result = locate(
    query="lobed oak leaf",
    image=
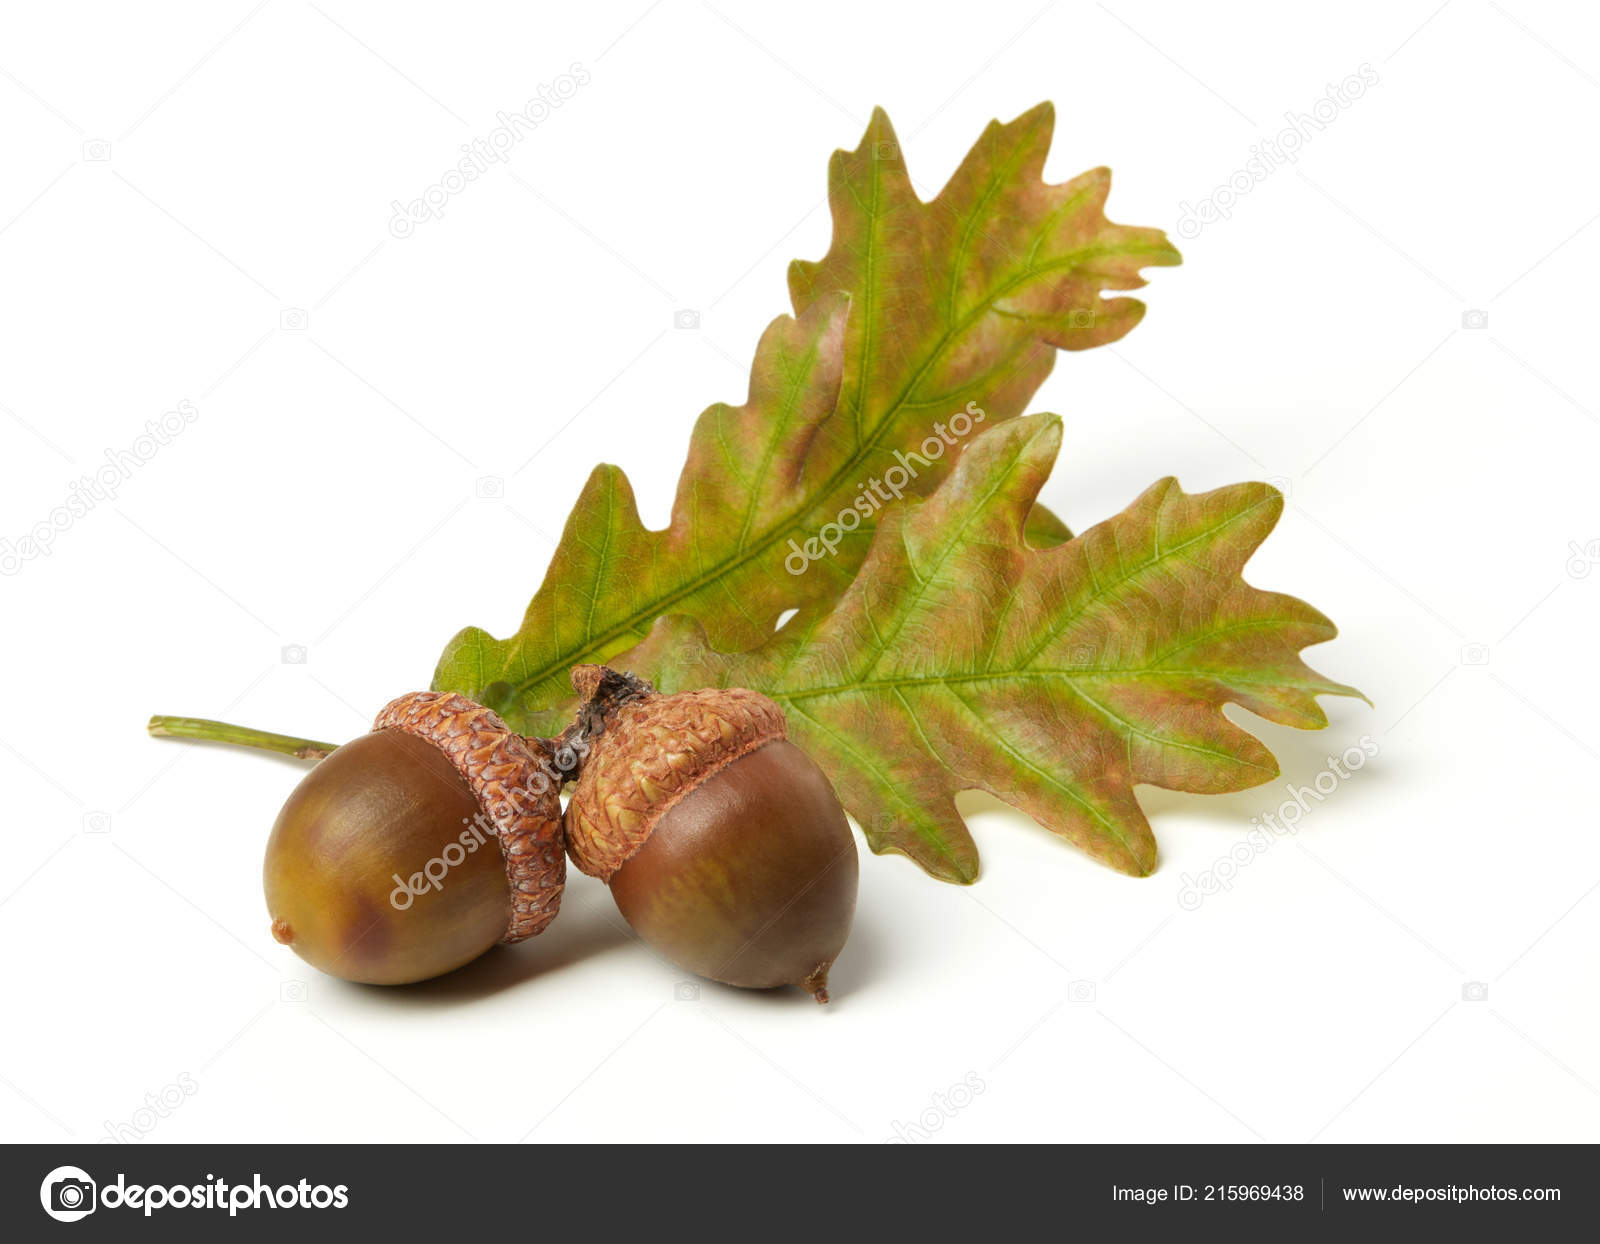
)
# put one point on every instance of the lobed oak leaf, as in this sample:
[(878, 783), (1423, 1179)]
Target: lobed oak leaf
[(918, 309), (1056, 679)]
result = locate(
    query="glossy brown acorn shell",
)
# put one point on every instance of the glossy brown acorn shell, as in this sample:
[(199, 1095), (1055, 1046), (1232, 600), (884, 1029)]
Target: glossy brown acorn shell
[(384, 804), (749, 878)]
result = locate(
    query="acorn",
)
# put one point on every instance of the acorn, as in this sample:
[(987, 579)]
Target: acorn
[(724, 845), (412, 850)]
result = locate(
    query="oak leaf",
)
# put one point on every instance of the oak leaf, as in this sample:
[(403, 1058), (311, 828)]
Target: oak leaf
[(918, 310), (1056, 679)]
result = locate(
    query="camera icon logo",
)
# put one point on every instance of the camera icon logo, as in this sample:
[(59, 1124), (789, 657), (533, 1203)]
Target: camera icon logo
[(491, 488), (97, 822), (686, 319), (686, 991), (1283, 484), (1475, 654), (885, 151), (68, 1194), (293, 991), (1474, 319), (1582, 560), (1475, 991), (1081, 993), (1080, 318), (294, 654), (293, 320), (97, 149)]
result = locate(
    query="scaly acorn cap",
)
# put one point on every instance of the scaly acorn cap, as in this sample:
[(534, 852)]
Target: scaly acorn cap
[(657, 749), (512, 780)]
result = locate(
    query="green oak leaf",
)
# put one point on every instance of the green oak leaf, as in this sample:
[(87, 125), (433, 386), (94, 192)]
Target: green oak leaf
[(918, 309), (1056, 679)]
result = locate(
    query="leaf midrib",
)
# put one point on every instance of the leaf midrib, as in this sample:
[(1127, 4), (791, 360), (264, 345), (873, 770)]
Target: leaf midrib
[(1069, 676)]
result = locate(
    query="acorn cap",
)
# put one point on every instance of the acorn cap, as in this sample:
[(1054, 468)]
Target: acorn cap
[(658, 749), (512, 782)]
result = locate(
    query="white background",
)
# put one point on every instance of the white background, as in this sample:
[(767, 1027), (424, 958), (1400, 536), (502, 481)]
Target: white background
[(328, 496)]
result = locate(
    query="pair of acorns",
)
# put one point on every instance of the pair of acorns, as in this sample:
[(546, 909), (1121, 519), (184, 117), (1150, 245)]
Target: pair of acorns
[(415, 848)]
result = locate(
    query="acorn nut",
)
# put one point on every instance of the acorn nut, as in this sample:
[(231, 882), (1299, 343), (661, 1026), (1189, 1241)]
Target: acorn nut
[(413, 849), (724, 845)]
